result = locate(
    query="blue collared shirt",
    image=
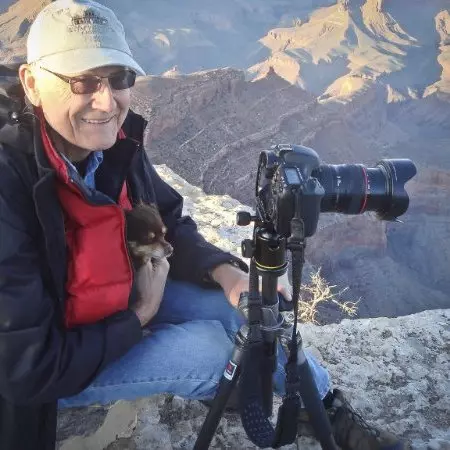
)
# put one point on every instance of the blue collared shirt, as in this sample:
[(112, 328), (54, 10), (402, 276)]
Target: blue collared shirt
[(94, 161)]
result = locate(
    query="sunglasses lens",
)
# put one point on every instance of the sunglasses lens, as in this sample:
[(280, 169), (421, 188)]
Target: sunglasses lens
[(85, 85), (88, 85), (122, 80)]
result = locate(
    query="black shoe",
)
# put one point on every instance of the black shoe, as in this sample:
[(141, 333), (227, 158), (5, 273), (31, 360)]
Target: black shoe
[(350, 430)]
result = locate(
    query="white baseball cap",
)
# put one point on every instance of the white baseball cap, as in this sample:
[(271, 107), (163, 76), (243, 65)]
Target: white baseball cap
[(72, 36)]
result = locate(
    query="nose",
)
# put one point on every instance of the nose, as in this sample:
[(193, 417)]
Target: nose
[(168, 250), (104, 98)]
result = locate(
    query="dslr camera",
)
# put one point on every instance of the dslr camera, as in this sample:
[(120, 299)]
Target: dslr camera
[(295, 170)]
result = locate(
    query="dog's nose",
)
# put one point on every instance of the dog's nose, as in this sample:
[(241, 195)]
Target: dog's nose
[(168, 250)]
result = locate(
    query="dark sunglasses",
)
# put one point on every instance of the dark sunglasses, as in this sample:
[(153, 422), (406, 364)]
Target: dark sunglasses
[(88, 84)]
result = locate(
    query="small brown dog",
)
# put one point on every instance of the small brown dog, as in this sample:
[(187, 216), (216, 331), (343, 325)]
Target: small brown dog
[(145, 232)]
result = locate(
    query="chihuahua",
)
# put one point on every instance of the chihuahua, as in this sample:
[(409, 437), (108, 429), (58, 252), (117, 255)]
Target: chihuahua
[(145, 233)]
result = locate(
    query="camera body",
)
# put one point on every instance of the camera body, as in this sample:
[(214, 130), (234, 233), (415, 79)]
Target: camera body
[(295, 178), (288, 175)]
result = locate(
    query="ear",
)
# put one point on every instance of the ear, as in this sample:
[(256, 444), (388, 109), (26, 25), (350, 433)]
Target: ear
[(28, 78)]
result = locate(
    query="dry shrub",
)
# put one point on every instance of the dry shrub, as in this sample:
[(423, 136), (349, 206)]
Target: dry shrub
[(318, 292)]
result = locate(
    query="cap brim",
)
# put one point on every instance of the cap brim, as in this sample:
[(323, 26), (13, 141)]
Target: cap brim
[(73, 62)]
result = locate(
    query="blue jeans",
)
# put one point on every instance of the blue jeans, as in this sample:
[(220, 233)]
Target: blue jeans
[(191, 340)]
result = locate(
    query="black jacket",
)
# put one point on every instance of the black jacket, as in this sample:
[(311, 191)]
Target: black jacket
[(41, 361)]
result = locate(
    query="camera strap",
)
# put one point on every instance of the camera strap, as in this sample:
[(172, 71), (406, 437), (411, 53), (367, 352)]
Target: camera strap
[(296, 243), (287, 424)]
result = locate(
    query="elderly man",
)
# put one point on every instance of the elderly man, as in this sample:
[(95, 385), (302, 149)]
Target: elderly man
[(77, 325)]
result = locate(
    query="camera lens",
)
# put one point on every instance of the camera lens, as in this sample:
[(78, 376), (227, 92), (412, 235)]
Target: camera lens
[(355, 189)]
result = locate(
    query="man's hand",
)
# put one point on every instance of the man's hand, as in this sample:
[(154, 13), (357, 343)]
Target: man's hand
[(150, 283), (234, 281)]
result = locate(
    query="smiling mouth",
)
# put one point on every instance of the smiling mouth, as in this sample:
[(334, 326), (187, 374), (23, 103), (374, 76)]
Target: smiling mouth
[(97, 122)]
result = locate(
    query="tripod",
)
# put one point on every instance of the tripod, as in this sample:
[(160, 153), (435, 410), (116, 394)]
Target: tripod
[(254, 356)]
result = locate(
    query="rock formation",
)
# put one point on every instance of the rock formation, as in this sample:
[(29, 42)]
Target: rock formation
[(443, 28), (211, 126)]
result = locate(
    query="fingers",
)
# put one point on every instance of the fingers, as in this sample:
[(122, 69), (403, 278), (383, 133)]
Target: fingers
[(162, 264), (286, 294), (158, 264), (285, 289)]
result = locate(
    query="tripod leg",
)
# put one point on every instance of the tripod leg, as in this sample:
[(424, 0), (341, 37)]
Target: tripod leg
[(314, 405), (270, 319), (312, 401), (268, 369), (227, 384)]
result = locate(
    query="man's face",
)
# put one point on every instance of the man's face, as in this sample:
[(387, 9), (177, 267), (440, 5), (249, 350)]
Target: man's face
[(80, 118)]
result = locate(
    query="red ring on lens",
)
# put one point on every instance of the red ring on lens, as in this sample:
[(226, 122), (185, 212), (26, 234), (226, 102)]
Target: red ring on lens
[(366, 182)]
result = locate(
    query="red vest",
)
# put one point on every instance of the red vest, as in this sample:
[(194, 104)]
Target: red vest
[(99, 274)]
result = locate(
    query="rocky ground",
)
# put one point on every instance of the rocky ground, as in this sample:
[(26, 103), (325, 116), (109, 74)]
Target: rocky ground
[(394, 371)]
